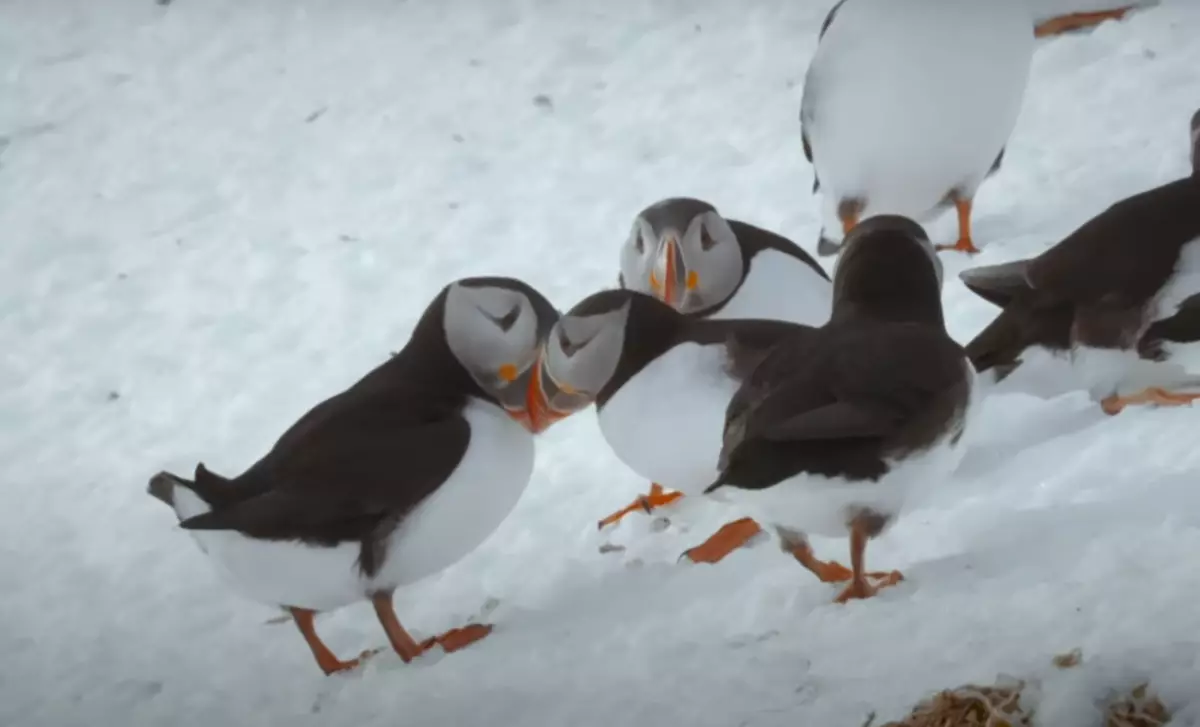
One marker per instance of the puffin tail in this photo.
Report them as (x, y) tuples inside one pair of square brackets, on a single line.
[(207, 486), (826, 247)]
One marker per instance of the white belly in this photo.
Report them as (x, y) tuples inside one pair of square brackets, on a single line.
[(913, 98), (780, 287), (444, 528), (667, 422)]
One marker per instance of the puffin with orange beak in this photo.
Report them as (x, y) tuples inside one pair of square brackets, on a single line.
[(394, 479), (682, 251)]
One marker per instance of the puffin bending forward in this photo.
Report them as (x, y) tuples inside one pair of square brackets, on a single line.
[(1119, 298), (832, 432), (685, 253), (660, 381), (392, 480), (908, 105)]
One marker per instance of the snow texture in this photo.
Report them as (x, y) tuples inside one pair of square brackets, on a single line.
[(218, 213)]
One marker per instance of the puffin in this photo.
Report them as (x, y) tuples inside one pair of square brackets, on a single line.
[(684, 252), (1117, 300), (390, 481), (833, 433), (660, 381), (908, 106)]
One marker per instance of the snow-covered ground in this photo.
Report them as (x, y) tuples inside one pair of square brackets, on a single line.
[(218, 212)]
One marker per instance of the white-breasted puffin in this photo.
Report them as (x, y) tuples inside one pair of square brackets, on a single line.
[(684, 252), (1118, 299), (833, 431), (660, 381), (390, 481), (908, 106)]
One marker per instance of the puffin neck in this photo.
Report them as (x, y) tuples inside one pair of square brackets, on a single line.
[(426, 362), (651, 329)]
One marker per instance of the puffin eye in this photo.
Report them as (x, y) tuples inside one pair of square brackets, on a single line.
[(638, 243), (706, 239)]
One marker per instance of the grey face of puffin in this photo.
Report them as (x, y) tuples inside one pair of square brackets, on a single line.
[(579, 357), (684, 253), (496, 333)]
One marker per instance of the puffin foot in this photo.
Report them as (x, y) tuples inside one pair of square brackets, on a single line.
[(729, 538), (964, 244), (1077, 21), (831, 571), (1114, 404), (326, 660), (864, 588), (459, 638), (657, 497)]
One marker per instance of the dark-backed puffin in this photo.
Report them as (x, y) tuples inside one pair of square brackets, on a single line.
[(684, 252), (908, 105), (390, 481), (833, 431), (1117, 300), (660, 381)]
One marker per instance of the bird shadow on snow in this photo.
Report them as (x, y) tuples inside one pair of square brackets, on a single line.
[(1028, 422)]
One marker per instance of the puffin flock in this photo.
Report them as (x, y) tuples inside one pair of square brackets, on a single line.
[(728, 361)]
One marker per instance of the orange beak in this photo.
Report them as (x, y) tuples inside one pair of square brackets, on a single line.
[(667, 289), (537, 416)]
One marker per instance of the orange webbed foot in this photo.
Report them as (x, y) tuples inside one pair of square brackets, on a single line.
[(868, 586), (1113, 405), (459, 638), (729, 538), (1078, 21), (658, 497)]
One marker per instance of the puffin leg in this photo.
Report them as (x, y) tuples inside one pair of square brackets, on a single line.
[(729, 538), (1154, 395), (861, 530), (326, 660), (964, 244), (657, 498), (1077, 21), (402, 643), (827, 571)]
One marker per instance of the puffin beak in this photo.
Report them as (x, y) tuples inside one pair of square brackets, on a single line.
[(537, 416), (667, 274)]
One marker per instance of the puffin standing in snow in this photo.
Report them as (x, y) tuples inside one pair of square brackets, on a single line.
[(661, 381), (908, 105), (684, 252), (1118, 298), (390, 481), (832, 431)]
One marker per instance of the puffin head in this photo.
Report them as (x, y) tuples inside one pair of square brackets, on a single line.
[(495, 327), (1196, 144), (584, 349), (888, 269), (683, 252)]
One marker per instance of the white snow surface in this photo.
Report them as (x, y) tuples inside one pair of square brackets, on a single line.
[(218, 213)]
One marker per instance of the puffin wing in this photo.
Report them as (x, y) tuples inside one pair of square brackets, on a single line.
[(872, 382), (356, 462)]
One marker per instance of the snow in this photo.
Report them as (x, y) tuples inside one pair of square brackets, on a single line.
[(218, 213)]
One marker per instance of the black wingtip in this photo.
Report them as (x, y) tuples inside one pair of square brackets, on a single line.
[(162, 488)]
